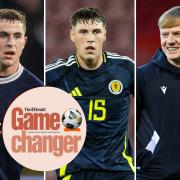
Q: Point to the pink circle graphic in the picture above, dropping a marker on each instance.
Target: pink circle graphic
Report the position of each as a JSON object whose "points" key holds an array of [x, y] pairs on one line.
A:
{"points": [[33, 132]]}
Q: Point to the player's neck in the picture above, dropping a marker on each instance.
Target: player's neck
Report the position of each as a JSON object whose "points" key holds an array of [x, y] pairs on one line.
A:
{"points": [[90, 64], [175, 62], [8, 71]]}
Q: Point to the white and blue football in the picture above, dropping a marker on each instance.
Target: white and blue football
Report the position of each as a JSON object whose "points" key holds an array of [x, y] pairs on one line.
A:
{"points": [[71, 118]]}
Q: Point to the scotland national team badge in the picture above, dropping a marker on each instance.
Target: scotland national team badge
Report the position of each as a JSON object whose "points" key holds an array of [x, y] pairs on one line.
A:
{"points": [[115, 87]]}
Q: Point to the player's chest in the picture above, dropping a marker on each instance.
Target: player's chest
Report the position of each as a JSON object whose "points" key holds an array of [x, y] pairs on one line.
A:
{"points": [[163, 92], [100, 95], [105, 84]]}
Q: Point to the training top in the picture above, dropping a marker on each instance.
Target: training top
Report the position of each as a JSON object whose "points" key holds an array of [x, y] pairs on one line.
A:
{"points": [[158, 112]]}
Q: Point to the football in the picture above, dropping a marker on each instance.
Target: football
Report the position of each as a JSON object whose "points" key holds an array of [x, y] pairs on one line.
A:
{"points": [[71, 118]]}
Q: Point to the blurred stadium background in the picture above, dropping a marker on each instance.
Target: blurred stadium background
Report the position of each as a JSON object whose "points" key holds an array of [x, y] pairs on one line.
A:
{"points": [[147, 31], [120, 30], [120, 26], [33, 55]]}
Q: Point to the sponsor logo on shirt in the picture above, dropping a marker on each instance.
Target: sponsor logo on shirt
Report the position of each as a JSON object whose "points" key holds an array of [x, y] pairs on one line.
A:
{"points": [[163, 88]]}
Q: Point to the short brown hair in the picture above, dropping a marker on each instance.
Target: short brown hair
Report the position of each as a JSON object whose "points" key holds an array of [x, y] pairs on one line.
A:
{"points": [[170, 18], [13, 15], [86, 14]]}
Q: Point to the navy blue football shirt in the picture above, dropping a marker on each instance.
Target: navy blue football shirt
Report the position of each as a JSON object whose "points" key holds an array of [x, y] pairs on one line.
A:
{"points": [[104, 97], [11, 87]]}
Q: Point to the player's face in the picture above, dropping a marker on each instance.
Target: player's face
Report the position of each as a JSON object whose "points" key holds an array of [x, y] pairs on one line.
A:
{"points": [[170, 42], [89, 38], [12, 42]]}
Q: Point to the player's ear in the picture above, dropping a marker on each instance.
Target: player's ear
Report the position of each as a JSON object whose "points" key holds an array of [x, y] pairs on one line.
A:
{"points": [[72, 35], [105, 35], [25, 40]]}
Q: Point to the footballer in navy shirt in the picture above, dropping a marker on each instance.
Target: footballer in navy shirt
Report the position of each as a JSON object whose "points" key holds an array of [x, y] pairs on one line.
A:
{"points": [[14, 78]]}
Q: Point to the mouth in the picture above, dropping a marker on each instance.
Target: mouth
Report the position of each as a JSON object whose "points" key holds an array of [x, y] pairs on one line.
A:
{"points": [[90, 48], [171, 49], [9, 54]]}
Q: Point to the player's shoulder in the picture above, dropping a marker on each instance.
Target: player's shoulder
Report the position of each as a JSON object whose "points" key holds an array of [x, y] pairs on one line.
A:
{"points": [[58, 69], [60, 63], [146, 69], [31, 78], [119, 59], [22, 77]]}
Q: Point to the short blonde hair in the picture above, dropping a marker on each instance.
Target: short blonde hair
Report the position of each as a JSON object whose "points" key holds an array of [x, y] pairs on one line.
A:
{"points": [[13, 15], [170, 18]]}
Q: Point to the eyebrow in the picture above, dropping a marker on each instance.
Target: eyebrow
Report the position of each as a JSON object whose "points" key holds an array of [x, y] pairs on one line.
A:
{"points": [[98, 29], [3, 32], [84, 29], [6, 33]]}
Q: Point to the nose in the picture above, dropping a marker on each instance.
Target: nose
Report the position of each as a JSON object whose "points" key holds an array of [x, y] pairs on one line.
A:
{"points": [[10, 41], [171, 39], [90, 37]]}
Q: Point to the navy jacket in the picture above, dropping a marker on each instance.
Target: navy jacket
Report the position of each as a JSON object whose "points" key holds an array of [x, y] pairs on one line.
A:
{"points": [[158, 95]]}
